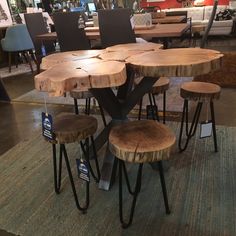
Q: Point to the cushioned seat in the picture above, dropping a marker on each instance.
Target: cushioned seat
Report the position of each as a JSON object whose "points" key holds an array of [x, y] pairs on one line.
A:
{"points": [[17, 39]]}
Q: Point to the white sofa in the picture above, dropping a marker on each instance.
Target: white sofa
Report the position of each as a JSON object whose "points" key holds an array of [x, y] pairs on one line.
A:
{"points": [[201, 15]]}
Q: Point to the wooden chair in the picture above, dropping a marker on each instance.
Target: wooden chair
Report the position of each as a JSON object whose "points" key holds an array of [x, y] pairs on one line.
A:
{"points": [[140, 142], [71, 128], [200, 92], [160, 87]]}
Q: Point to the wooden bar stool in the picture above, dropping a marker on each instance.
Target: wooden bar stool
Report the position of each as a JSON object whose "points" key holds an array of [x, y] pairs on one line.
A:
{"points": [[70, 128], [77, 94], [140, 142], [200, 92], [160, 87]]}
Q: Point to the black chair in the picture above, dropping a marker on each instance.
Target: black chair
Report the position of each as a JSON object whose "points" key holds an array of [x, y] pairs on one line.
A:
{"points": [[36, 26], [115, 27], [70, 36]]}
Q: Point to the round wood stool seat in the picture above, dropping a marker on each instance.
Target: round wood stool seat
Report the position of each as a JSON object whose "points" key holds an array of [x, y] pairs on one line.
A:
{"points": [[77, 94], [159, 87], [69, 128], [200, 91], [141, 141]]}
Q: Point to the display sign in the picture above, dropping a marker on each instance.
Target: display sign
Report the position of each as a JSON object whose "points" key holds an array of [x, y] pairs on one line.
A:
{"points": [[83, 169], [47, 130], [5, 15]]}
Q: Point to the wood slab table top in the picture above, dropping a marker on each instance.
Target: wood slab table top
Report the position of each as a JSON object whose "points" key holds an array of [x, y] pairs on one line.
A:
{"points": [[168, 20], [181, 62], [96, 73], [56, 58], [81, 74]]}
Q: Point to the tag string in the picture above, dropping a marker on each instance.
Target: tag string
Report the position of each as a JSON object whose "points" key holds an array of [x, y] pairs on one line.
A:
{"points": [[45, 104], [207, 110]]}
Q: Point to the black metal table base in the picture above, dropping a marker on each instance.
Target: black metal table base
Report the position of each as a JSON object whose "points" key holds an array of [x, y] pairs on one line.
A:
{"points": [[117, 106]]}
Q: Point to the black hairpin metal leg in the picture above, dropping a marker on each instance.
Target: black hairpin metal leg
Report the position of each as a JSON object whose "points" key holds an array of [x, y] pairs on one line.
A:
{"points": [[155, 105], [152, 107], [213, 125], [57, 173], [85, 207], [85, 149], [134, 194], [140, 109], [189, 132], [163, 185], [76, 106], [87, 106]]}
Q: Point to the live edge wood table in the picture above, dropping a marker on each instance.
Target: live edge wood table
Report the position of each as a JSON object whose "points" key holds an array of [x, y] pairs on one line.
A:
{"points": [[99, 71]]}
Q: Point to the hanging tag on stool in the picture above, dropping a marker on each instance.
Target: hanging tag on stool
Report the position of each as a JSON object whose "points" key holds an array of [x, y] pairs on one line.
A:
{"points": [[47, 126], [205, 129], [83, 169], [151, 109]]}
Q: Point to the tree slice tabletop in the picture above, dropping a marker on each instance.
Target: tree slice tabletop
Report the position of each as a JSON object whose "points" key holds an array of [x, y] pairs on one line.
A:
{"points": [[81, 74], [181, 62], [118, 55], [56, 58], [135, 47]]}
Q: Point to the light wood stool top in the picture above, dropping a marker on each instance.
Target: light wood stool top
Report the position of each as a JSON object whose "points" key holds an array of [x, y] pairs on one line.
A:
{"points": [[141, 141], [69, 128], [200, 91], [160, 86]]}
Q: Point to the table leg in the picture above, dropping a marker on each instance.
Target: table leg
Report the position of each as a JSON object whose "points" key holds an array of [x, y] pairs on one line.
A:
{"points": [[118, 109]]}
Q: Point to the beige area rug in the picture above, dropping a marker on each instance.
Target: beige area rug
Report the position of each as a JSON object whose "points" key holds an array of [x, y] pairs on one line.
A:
{"points": [[174, 101], [200, 185], [21, 69]]}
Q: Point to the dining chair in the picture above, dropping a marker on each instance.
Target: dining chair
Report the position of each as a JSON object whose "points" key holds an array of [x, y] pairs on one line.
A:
{"points": [[115, 27], [17, 40], [36, 26], [70, 36]]}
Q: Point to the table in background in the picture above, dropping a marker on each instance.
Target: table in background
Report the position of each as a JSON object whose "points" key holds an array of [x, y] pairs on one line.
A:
{"points": [[168, 20]]}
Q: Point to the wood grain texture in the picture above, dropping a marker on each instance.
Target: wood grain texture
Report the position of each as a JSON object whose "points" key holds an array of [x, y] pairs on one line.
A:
{"points": [[168, 20], [134, 47], [200, 91], [182, 62], [80, 75], [160, 86], [141, 141], [57, 58], [69, 128], [118, 55]]}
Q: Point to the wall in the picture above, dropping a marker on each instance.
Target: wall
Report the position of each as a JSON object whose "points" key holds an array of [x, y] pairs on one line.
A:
{"points": [[175, 4]]}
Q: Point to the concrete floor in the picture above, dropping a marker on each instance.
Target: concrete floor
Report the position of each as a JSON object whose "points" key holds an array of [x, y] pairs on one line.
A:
{"points": [[18, 120]]}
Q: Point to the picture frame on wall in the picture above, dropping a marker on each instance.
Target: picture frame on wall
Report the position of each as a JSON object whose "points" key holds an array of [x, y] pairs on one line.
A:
{"points": [[5, 15]]}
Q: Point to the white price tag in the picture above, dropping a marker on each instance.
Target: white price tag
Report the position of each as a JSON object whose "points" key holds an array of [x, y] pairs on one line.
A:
{"points": [[205, 129]]}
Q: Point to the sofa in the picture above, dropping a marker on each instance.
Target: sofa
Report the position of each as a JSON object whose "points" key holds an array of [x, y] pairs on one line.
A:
{"points": [[201, 15]]}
